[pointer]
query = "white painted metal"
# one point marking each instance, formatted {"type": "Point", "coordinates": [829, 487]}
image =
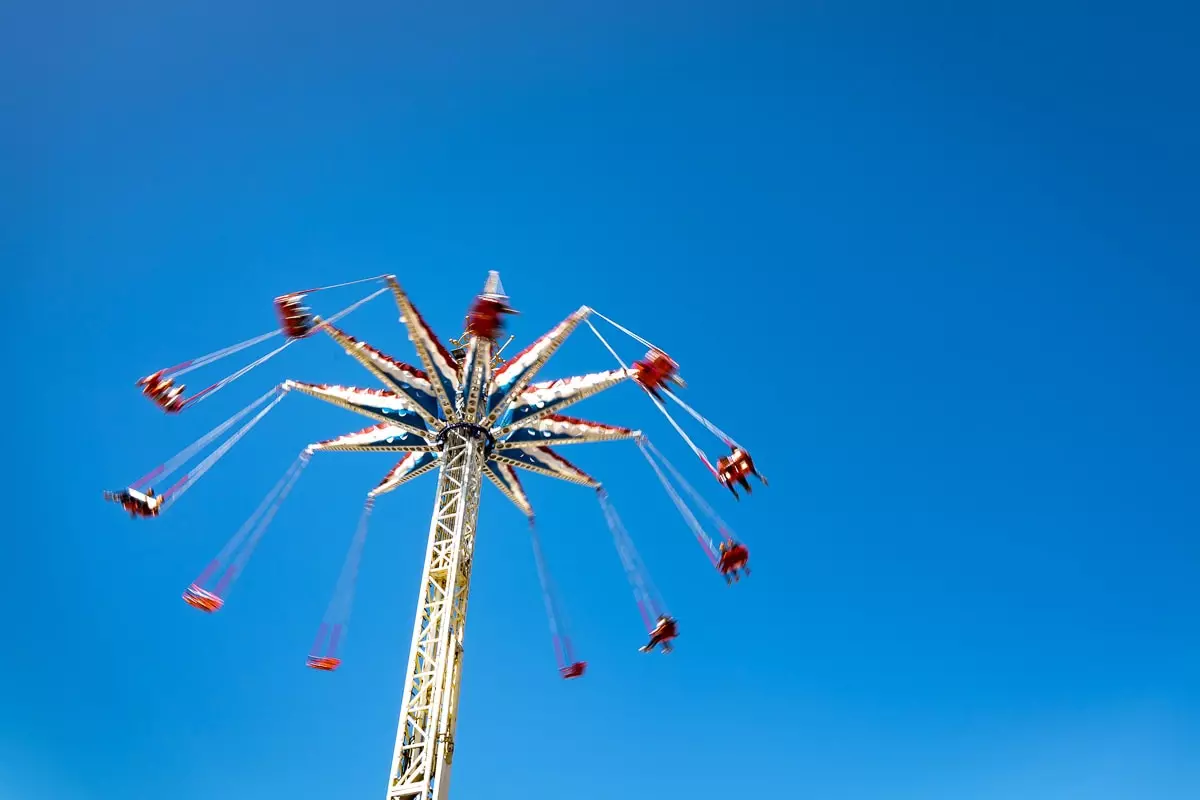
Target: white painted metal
{"type": "Point", "coordinates": [425, 738]}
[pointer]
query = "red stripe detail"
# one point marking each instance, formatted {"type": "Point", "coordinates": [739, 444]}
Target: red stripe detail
{"type": "Point", "coordinates": [645, 616]}
{"type": "Point", "coordinates": [226, 579]}
{"type": "Point", "coordinates": [559, 658]}
{"type": "Point", "coordinates": [201, 393]}
{"type": "Point", "coordinates": [316, 647]}
{"type": "Point", "coordinates": [207, 573]}
{"type": "Point", "coordinates": [333, 639]}
{"type": "Point", "coordinates": [586, 422]}
{"type": "Point", "coordinates": [430, 334]}
{"type": "Point", "coordinates": [149, 476]}
{"type": "Point", "coordinates": [179, 484]}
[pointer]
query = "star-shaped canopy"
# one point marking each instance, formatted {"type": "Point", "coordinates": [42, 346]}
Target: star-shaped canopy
{"type": "Point", "coordinates": [523, 417]}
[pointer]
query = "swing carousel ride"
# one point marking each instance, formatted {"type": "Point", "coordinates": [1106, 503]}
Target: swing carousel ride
{"type": "Point", "coordinates": [468, 413]}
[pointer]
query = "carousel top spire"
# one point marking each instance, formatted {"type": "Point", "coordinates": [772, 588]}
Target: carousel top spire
{"type": "Point", "coordinates": [493, 287]}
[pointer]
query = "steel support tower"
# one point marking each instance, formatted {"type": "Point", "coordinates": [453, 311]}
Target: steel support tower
{"type": "Point", "coordinates": [425, 738]}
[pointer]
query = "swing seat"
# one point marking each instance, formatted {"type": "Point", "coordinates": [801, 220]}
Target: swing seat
{"type": "Point", "coordinates": [655, 370]}
{"type": "Point", "coordinates": [666, 631]}
{"type": "Point", "coordinates": [324, 663]}
{"type": "Point", "coordinates": [151, 380]}
{"type": "Point", "coordinates": [733, 564]}
{"type": "Point", "coordinates": [173, 401]}
{"type": "Point", "coordinates": [484, 319]}
{"type": "Point", "coordinates": [573, 671]}
{"type": "Point", "coordinates": [135, 502]}
{"type": "Point", "coordinates": [202, 599]}
{"type": "Point", "coordinates": [295, 320]}
{"type": "Point", "coordinates": [735, 466]}
{"type": "Point", "coordinates": [163, 391]}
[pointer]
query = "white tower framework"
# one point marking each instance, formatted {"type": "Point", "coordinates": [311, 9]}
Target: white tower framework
{"type": "Point", "coordinates": [425, 738]}
{"type": "Point", "coordinates": [469, 415]}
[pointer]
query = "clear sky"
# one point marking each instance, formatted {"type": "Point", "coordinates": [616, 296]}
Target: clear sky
{"type": "Point", "coordinates": [937, 268]}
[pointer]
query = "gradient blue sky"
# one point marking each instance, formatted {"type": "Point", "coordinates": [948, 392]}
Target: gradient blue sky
{"type": "Point", "coordinates": [962, 246]}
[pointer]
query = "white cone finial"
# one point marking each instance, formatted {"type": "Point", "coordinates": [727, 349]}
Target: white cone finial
{"type": "Point", "coordinates": [493, 287]}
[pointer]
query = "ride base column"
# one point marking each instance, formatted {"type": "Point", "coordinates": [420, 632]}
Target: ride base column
{"type": "Point", "coordinates": [425, 737]}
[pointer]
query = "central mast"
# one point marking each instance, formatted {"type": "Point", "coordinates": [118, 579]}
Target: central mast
{"type": "Point", "coordinates": [428, 716]}
{"type": "Point", "coordinates": [425, 739]}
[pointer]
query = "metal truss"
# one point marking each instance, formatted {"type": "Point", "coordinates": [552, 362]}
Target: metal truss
{"type": "Point", "coordinates": [425, 739]}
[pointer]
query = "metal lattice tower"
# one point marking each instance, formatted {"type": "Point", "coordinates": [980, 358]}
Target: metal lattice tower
{"type": "Point", "coordinates": [425, 738]}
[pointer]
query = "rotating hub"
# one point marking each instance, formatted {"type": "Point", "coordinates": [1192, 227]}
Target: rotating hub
{"type": "Point", "coordinates": [469, 429]}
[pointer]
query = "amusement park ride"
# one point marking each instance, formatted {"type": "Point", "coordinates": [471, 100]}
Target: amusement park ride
{"type": "Point", "coordinates": [470, 414]}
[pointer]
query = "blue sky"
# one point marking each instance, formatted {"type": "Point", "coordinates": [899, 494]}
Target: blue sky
{"type": "Point", "coordinates": [936, 268]}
